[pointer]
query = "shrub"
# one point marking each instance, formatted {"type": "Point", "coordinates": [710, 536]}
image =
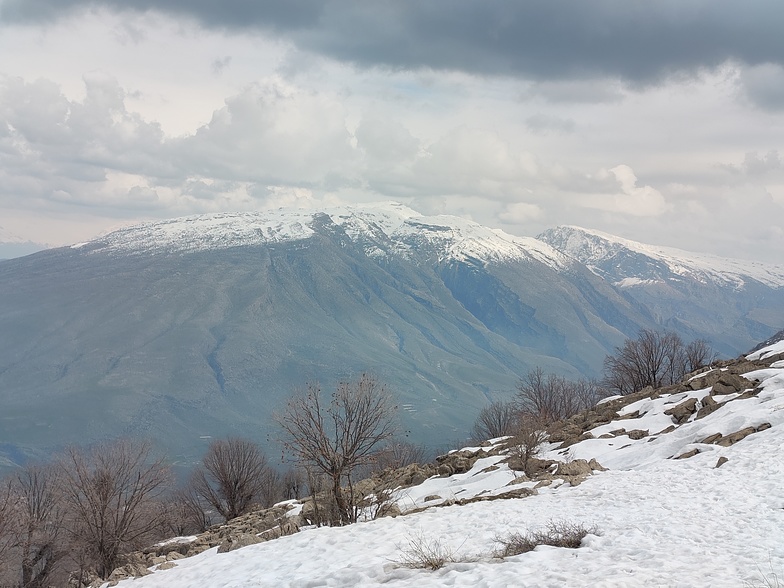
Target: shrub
{"type": "Point", "coordinates": [422, 553]}
{"type": "Point", "coordinates": [554, 534]}
{"type": "Point", "coordinates": [497, 419]}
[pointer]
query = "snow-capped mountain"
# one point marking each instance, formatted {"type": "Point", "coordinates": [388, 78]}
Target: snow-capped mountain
{"type": "Point", "coordinates": [380, 228]}
{"type": "Point", "coordinates": [196, 327]}
{"type": "Point", "coordinates": [629, 263]}
{"type": "Point", "coordinates": [695, 294]}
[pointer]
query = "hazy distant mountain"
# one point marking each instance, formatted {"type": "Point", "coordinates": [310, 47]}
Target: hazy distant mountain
{"type": "Point", "coordinates": [202, 326]}
{"type": "Point", "coordinates": [730, 302]}
{"type": "Point", "coordinates": [14, 246]}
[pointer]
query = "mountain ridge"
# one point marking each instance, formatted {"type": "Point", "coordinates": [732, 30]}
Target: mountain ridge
{"type": "Point", "coordinates": [146, 332]}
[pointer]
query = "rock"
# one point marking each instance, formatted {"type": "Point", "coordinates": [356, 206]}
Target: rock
{"type": "Point", "coordinates": [681, 412]}
{"type": "Point", "coordinates": [173, 555]}
{"type": "Point", "coordinates": [669, 429]}
{"type": "Point", "coordinates": [596, 466]}
{"type": "Point", "coordinates": [577, 467]}
{"type": "Point", "coordinates": [709, 405]}
{"type": "Point", "coordinates": [763, 427]}
{"type": "Point", "coordinates": [733, 438]}
{"type": "Point", "coordinates": [518, 480]}
{"type": "Point", "coordinates": [731, 383]}
{"type": "Point", "coordinates": [688, 454]}
{"type": "Point", "coordinates": [167, 565]}
{"type": "Point", "coordinates": [710, 439]}
{"type": "Point", "coordinates": [432, 497]}
{"type": "Point", "coordinates": [637, 434]}
{"type": "Point", "coordinates": [722, 461]}
{"type": "Point", "coordinates": [131, 570]}
{"type": "Point", "coordinates": [238, 541]}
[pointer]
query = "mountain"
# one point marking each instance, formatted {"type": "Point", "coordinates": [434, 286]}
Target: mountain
{"type": "Point", "coordinates": [202, 326]}
{"type": "Point", "coordinates": [694, 294]}
{"type": "Point", "coordinates": [14, 246]}
{"type": "Point", "coordinates": [665, 492]}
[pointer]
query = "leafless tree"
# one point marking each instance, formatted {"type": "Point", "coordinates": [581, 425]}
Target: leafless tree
{"type": "Point", "coordinates": [185, 513]}
{"type": "Point", "coordinates": [293, 484]}
{"type": "Point", "coordinates": [398, 455]}
{"type": "Point", "coordinates": [551, 398]}
{"type": "Point", "coordinates": [6, 519]}
{"type": "Point", "coordinates": [698, 354]}
{"type": "Point", "coordinates": [232, 476]}
{"type": "Point", "coordinates": [497, 419]}
{"type": "Point", "coordinates": [334, 435]}
{"type": "Point", "coordinates": [528, 439]}
{"type": "Point", "coordinates": [38, 535]}
{"type": "Point", "coordinates": [653, 359]}
{"type": "Point", "coordinates": [112, 492]}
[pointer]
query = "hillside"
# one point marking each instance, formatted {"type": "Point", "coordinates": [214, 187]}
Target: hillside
{"type": "Point", "coordinates": [687, 292]}
{"type": "Point", "coordinates": [200, 327]}
{"type": "Point", "coordinates": [693, 496]}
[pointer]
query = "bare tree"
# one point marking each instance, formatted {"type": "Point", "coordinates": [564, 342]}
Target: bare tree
{"type": "Point", "coordinates": [653, 359]}
{"type": "Point", "coordinates": [528, 440]}
{"type": "Point", "coordinates": [335, 435]}
{"type": "Point", "coordinates": [497, 419]}
{"type": "Point", "coordinates": [552, 398]}
{"type": "Point", "coordinates": [112, 493]}
{"type": "Point", "coordinates": [6, 519]}
{"type": "Point", "coordinates": [232, 476]}
{"type": "Point", "coordinates": [698, 354]}
{"type": "Point", "coordinates": [398, 455]}
{"type": "Point", "coordinates": [185, 513]}
{"type": "Point", "coordinates": [38, 526]}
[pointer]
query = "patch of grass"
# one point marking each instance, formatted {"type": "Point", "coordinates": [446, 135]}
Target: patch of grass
{"type": "Point", "coordinates": [555, 534]}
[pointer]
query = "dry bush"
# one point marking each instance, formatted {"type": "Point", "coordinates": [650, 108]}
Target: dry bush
{"type": "Point", "coordinates": [528, 440]}
{"type": "Point", "coordinates": [497, 419]}
{"type": "Point", "coordinates": [555, 534]}
{"type": "Point", "coordinates": [334, 435]}
{"type": "Point", "coordinates": [234, 477]}
{"type": "Point", "coordinates": [422, 553]}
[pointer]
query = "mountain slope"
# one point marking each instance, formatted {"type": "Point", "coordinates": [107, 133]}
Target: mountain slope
{"type": "Point", "coordinates": [694, 294]}
{"type": "Point", "coordinates": [713, 519]}
{"type": "Point", "coordinates": [200, 327]}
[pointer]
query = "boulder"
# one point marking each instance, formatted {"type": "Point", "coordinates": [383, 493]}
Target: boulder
{"type": "Point", "coordinates": [730, 383]}
{"type": "Point", "coordinates": [238, 541]}
{"type": "Point", "coordinates": [733, 438]}
{"type": "Point", "coordinates": [681, 412]}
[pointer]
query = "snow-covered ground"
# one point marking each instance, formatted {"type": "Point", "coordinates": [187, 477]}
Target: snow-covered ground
{"type": "Point", "coordinates": [659, 521]}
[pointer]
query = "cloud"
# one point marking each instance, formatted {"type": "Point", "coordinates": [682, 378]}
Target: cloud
{"type": "Point", "coordinates": [220, 64]}
{"type": "Point", "coordinates": [763, 85]}
{"type": "Point", "coordinates": [640, 42]}
{"type": "Point", "coordinates": [520, 212]}
{"type": "Point", "coordinates": [541, 124]}
{"type": "Point", "coordinates": [576, 91]}
{"type": "Point", "coordinates": [630, 199]}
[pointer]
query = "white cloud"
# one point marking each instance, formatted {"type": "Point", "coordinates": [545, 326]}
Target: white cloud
{"type": "Point", "coordinates": [630, 199]}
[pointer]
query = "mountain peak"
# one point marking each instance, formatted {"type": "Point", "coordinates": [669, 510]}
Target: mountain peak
{"type": "Point", "coordinates": [380, 227]}
{"type": "Point", "coordinates": [628, 263]}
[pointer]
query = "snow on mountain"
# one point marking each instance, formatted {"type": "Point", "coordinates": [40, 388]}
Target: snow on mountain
{"type": "Point", "coordinates": [380, 227]}
{"type": "Point", "coordinates": [658, 520]}
{"type": "Point", "coordinates": [609, 256]}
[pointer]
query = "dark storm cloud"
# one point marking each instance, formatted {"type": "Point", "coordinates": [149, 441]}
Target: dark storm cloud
{"type": "Point", "coordinates": [543, 39]}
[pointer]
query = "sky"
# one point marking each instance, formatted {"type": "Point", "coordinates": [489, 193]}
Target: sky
{"type": "Point", "coordinates": [661, 122]}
